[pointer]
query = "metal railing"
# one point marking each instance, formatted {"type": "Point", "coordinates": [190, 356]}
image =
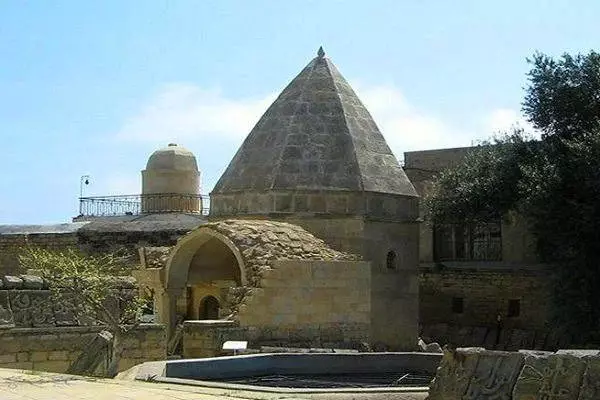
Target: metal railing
{"type": "Point", "coordinates": [135, 204]}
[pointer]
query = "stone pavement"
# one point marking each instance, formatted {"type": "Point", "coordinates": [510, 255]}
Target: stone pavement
{"type": "Point", "coordinates": [33, 385]}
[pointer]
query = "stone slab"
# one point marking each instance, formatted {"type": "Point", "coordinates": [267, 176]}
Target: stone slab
{"type": "Point", "coordinates": [453, 376]}
{"type": "Point", "coordinates": [32, 282]}
{"type": "Point", "coordinates": [494, 376]}
{"type": "Point", "coordinates": [590, 384]}
{"type": "Point", "coordinates": [6, 315]}
{"type": "Point", "coordinates": [12, 282]}
{"type": "Point", "coordinates": [550, 376]}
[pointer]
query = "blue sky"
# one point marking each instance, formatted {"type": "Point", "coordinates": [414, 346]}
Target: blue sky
{"type": "Point", "coordinates": [95, 87]}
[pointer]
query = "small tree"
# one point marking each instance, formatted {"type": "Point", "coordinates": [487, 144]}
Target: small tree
{"type": "Point", "coordinates": [97, 287]}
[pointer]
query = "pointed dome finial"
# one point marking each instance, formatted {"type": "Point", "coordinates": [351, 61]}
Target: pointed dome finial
{"type": "Point", "coordinates": [321, 52]}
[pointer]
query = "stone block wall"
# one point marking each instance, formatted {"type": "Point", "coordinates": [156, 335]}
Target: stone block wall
{"type": "Point", "coordinates": [394, 283]}
{"type": "Point", "coordinates": [12, 245]}
{"type": "Point", "coordinates": [301, 292]}
{"type": "Point", "coordinates": [206, 338]}
{"type": "Point", "coordinates": [394, 291]}
{"type": "Point", "coordinates": [462, 306]}
{"type": "Point", "coordinates": [300, 303]}
{"type": "Point", "coordinates": [53, 349]}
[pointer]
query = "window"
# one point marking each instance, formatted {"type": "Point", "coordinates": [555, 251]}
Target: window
{"type": "Point", "coordinates": [457, 305]}
{"type": "Point", "coordinates": [390, 260]}
{"type": "Point", "coordinates": [467, 242]}
{"type": "Point", "coordinates": [514, 308]}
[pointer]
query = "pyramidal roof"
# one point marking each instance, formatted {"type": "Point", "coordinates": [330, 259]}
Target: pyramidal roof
{"type": "Point", "coordinates": [317, 135]}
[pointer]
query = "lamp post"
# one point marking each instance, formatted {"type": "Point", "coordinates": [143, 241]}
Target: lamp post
{"type": "Point", "coordinates": [84, 180]}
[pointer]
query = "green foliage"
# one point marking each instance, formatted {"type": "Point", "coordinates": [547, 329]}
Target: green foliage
{"type": "Point", "coordinates": [554, 183]}
{"type": "Point", "coordinates": [98, 287]}
{"type": "Point", "coordinates": [562, 96]}
{"type": "Point", "coordinates": [485, 186]}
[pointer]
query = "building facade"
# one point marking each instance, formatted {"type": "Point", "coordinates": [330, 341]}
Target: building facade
{"type": "Point", "coordinates": [480, 284]}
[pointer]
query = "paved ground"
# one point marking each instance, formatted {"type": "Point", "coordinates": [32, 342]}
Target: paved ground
{"type": "Point", "coordinates": [30, 385]}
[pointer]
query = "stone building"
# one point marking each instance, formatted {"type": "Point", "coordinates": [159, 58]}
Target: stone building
{"type": "Point", "coordinates": [316, 179]}
{"type": "Point", "coordinates": [311, 240]}
{"type": "Point", "coordinates": [317, 159]}
{"type": "Point", "coordinates": [480, 285]}
{"type": "Point", "coordinates": [312, 237]}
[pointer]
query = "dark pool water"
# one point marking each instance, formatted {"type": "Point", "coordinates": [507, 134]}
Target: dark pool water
{"type": "Point", "coordinates": [336, 381]}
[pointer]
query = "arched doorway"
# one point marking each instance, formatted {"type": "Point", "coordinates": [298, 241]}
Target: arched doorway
{"type": "Point", "coordinates": [201, 269]}
{"type": "Point", "coordinates": [209, 308]}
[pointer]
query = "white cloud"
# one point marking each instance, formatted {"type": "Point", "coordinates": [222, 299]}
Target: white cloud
{"type": "Point", "coordinates": [213, 125]}
{"type": "Point", "coordinates": [184, 112]}
{"type": "Point", "coordinates": [405, 127]}
{"type": "Point", "coordinates": [504, 119]}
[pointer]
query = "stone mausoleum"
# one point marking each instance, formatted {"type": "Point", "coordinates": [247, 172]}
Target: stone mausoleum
{"type": "Point", "coordinates": [311, 238]}
{"type": "Point", "coordinates": [313, 188]}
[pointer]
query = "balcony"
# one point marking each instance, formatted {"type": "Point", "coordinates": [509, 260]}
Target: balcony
{"type": "Point", "coordinates": [137, 204]}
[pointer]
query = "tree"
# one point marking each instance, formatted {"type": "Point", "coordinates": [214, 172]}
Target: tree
{"type": "Point", "coordinates": [554, 183]}
{"type": "Point", "coordinates": [98, 287]}
{"type": "Point", "coordinates": [562, 96]}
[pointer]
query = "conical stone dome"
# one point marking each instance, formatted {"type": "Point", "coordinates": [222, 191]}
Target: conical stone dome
{"type": "Point", "coordinates": [316, 136]}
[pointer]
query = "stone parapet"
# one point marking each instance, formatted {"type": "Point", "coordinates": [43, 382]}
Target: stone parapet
{"type": "Point", "coordinates": [26, 302]}
{"type": "Point", "coordinates": [53, 349]}
{"type": "Point", "coordinates": [206, 338]}
{"type": "Point", "coordinates": [476, 373]}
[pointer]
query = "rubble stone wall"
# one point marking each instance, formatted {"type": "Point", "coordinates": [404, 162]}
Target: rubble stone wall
{"type": "Point", "coordinates": [39, 333]}
{"type": "Point", "coordinates": [53, 349]}
{"type": "Point", "coordinates": [12, 245]}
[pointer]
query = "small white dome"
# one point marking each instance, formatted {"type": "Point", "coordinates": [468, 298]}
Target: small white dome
{"type": "Point", "coordinates": [172, 157]}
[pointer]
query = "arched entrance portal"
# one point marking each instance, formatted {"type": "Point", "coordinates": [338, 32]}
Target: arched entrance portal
{"type": "Point", "coordinates": [201, 269]}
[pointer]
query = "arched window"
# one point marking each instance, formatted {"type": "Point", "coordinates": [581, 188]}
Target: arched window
{"type": "Point", "coordinates": [209, 308]}
{"type": "Point", "coordinates": [390, 260]}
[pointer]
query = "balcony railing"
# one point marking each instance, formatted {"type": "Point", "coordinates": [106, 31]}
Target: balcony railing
{"type": "Point", "coordinates": [143, 204]}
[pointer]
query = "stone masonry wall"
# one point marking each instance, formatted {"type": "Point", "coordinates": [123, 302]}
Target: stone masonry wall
{"type": "Point", "coordinates": [39, 333]}
{"type": "Point", "coordinates": [299, 304]}
{"type": "Point", "coordinates": [262, 243]}
{"type": "Point", "coordinates": [11, 245]}
{"type": "Point", "coordinates": [484, 295]}
{"type": "Point", "coordinates": [53, 349]}
{"type": "Point", "coordinates": [206, 338]}
{"type": "Point", "coordinates": [303, 295]}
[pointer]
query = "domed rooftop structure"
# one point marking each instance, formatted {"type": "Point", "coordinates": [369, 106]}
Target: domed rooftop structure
{"type": "Point", "coordinates": [172, 157]}
{"type": "Point", "coordinates": [171, 181]}
{"type": "Point", "coordinates": [316, 137]}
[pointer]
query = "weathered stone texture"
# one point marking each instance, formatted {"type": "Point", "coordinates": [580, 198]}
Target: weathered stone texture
{"type": "Point", "coordinates": [486, 293]}
{"type": "Point", "coordinates": [206, 338]}
{"type": "Point", "coordinates": [317, 135]}
{"type": "Point", "coordinates": [11, 246]}
{"type": "Point", "coordinates": [478, 374]}
{"type": "Point", "coordinates": [262, 242]}
{"type": "Point", "coordinates": [154, 257]}
{"type": "Point", "coordinates": [54, 349]}
{"type": "Point", "coordinates": [308, 293]}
